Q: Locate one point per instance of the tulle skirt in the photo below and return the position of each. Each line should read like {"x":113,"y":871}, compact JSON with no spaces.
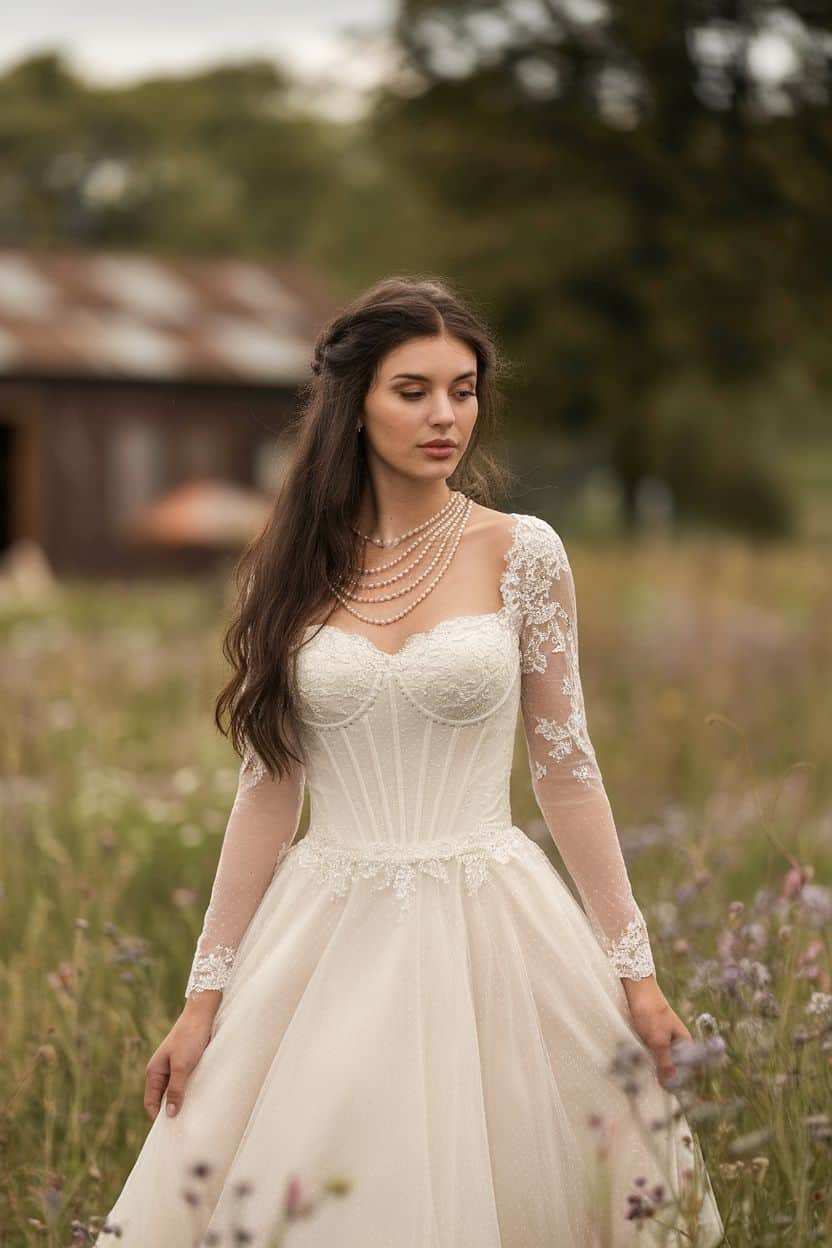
{"x":454,"y":1080}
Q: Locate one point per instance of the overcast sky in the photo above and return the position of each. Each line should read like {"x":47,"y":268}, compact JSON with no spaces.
{"x":113,"y":42}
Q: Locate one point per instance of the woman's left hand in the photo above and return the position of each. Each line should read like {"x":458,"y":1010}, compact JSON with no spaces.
{"x":655,"y":1022}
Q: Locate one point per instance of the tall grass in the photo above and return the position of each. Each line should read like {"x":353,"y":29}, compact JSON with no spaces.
{"x":706,"y":672}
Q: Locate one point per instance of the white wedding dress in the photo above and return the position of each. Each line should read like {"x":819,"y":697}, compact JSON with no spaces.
{"x":412,"y":997}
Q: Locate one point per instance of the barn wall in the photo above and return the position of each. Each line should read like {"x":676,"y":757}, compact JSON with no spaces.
{"x":105,"y":448}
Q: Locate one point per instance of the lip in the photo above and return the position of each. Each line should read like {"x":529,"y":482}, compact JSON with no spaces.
{"x":439,"y":444}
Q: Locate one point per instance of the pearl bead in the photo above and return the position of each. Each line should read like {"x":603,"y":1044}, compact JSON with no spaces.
{"x":451,"y":529}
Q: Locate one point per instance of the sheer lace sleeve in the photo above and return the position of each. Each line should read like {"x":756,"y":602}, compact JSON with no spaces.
{"x":566,"y":779}
{"x":261,"y":826}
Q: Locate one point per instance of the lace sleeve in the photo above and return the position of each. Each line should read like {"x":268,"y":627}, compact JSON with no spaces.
{"x":566,"y":779}
{"x":261,"y":826}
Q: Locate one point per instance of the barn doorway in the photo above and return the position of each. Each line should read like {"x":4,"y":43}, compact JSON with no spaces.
{"x":7,"y":457}
{"x":18,"y":481}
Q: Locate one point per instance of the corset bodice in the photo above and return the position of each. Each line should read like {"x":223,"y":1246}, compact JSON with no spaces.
{"x":412,"y":746}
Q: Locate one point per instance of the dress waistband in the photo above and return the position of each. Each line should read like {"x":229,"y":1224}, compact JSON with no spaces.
{"x":486,"y":836}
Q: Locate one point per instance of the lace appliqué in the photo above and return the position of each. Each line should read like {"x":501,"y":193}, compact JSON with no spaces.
{"x":398,"y":867}
{"x":252,"y":768}
{"x":211,"y":970}
{"x":457,"y":672}
{"x":629,"y":953}
{"x":536,"y":559}
{"x":566,"y":737}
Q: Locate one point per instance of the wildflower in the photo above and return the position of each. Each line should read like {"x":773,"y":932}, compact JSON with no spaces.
{"x":757,"y":935}
{"x":820,"y":1126}
{"x":337,"y":1186}
{"x":642,"y":1205}
{"x":700,"y":1053}
{"x":808,"y":960}
{"x":820,"y":1004}
{"x":750,"y":1142}
{"x":763,"y":900}
{"x":794,"y":879}
{"x":765,"y":1003}
{"x":294,"y":1204}
{"x":628,"y":1058}
{"x":706,"y":1025}
{"x":816,"y":904}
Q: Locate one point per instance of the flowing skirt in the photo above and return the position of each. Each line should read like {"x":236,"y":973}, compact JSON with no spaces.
{"x":456,"y":1072}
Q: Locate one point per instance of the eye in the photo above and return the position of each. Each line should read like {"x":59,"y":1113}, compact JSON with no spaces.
{"x":418,"y":394}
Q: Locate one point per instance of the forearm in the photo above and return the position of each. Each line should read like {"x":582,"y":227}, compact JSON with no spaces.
{"x":261,"y":826}
{"x":246,"y":867}
{"x":203,"y":1005}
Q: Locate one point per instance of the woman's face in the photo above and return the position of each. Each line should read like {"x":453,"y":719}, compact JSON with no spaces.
{"x":425,"y":389}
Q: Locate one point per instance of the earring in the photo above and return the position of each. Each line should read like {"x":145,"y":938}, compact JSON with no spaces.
{"x":359,"y":427}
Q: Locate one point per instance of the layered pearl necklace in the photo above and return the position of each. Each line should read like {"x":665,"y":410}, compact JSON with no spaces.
{"x":446,"y":525}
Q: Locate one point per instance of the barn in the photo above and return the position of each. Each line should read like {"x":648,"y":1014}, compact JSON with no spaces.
{"x":142,"y":399}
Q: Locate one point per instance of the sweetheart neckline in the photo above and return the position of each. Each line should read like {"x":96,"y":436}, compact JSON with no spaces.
{"x":502,"y":612}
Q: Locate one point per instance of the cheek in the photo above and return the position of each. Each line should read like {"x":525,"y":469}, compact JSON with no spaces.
{"x":468,"y":419}
{"x":397,"y":423}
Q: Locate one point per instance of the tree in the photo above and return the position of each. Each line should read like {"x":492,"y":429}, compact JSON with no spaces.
{"x":641,"y":193}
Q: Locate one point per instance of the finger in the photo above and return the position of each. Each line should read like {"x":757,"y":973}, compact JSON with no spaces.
{"x":665,"y":1068}
{"x":157,"y":1078}
{"x":176,"y":1089}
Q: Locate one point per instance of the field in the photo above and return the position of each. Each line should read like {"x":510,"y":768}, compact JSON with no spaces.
{"x":706,"y":669}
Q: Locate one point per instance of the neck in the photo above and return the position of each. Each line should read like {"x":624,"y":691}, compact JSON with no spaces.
{"x":390,"y":512}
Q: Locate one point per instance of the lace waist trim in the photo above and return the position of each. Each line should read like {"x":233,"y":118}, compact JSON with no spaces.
{"x":338,"y":864}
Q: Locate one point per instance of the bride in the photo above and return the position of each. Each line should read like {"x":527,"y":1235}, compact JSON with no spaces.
{"x":402,"y":1029}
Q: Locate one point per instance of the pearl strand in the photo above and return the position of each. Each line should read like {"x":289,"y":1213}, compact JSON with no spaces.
{"x":395,"y":541}
{"x":392,"y":619}
{"x":446,"y":526}
{"x":398,"y":593}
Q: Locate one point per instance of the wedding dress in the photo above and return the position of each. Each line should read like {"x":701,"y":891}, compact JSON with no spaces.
{"x":413,"y":999}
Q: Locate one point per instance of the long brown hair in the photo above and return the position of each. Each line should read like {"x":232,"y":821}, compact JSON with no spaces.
{"x":282,"y":578}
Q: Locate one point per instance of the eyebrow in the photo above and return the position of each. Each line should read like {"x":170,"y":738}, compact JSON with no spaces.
{"x":421,"y":377}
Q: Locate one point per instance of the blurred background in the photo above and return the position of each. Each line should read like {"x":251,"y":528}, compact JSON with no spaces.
{"x":638,"y":197}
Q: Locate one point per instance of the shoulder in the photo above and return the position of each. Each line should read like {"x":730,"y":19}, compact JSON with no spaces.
{"x":536,"y":546}
{"x":536,"y":571}
{"x":517,"y":533}
{"x":528,"y":552}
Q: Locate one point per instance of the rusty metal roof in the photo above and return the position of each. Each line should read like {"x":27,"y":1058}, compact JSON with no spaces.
{"x":140,"y":315}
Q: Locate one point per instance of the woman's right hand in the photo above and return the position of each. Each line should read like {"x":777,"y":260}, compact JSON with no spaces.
{"x":170,"y":1066}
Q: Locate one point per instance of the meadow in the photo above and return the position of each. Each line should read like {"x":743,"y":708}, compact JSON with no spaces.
{"x":706,"y":669}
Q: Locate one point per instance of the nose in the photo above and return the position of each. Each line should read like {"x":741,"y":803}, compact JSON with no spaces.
{"x":442,"y":415}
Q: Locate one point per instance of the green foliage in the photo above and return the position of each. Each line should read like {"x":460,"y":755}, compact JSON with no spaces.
{"x":644,"y":229}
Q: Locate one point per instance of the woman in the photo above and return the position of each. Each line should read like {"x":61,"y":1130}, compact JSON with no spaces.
{"x":410,"y":996}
